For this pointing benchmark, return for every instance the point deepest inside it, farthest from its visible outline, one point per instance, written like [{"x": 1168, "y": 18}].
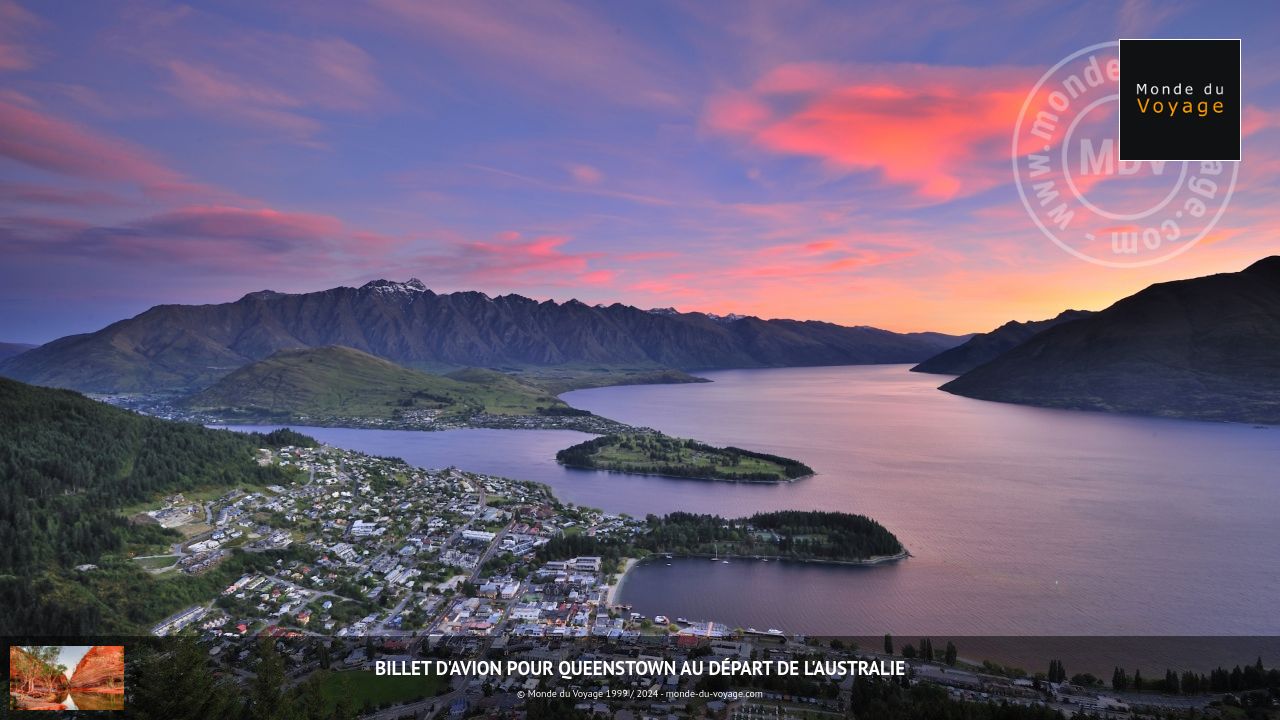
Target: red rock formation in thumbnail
[{"x": 100, "y": 670}]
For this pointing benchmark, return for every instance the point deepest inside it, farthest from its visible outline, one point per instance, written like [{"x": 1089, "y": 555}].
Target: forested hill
[
  {"x": 796, "y": 534},
  {"x": 808, "y": 535},
  {"x": 68, "y": 464}
]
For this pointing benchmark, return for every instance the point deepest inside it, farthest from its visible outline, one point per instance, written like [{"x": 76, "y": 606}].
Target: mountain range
[
  {"x": 985, "y": 347},
  {"x": 1206, "y": 348},
  {"x": 188, "y": 347}
]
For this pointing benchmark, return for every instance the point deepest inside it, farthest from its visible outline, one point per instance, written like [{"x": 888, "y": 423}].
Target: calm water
[{"x": 1022, "y": 521}]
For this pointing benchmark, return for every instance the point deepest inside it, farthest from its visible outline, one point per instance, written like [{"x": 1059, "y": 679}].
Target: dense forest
[
  {"x": 657, "y": 454},
  {"x": 802, "y": 535},
  {"x": 793, "y": 534},
  {"x": 68, "y": 465}
]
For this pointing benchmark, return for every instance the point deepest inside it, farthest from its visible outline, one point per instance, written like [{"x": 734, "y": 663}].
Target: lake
[{"x": 1021, "y": 521}]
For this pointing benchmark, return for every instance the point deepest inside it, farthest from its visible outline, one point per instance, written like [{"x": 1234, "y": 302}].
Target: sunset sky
[{"x": 784, "y": 159}]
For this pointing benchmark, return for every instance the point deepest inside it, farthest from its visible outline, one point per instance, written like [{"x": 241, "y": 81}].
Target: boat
[
  {"x": 774, "y": 631},
  {"x": 726, "y": 562}
]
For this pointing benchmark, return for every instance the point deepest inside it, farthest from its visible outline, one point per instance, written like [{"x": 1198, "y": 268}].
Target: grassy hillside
[
  {"x": 68, "y": 464},
  {"x": 562, "y": 379},
  {"x": 655, "y": 454},
  {"x": 338, "y": 382}
]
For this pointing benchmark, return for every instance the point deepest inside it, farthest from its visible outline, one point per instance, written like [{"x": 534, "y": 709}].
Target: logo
[
  {"x": 1089, "y": 202},
  {"x": 1180, "y": 100}
]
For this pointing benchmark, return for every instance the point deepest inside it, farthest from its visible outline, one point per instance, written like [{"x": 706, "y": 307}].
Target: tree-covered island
[{"x": 657, "y": 454}]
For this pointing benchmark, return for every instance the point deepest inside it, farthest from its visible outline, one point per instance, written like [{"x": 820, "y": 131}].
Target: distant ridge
[
  {"x": 185, "y": 347},
  {"x": 986, "y": 347},
  {"x": 1206, "y": 348},
  {"x": 8, "y": 350}
]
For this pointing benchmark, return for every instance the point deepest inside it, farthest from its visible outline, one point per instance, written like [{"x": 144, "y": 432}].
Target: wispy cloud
[
  {"x": 44, "y": 142},
  {"x": 16, "y": 26}
]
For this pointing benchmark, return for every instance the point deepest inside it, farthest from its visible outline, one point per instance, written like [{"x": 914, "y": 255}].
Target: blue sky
[{"x": 837, "y": 161}]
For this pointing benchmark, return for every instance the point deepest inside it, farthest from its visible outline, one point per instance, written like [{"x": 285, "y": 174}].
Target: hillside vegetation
[
  {"x": 68, "y": 464},
  {"x": 337, "y": 382},
  {"x": 809, "y": 535}
]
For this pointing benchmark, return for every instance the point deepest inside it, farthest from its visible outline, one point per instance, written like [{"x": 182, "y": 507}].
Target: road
[{"x": 488, "y": 552}]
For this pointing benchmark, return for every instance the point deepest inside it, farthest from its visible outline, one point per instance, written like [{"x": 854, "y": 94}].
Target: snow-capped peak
[{"x": 391, "y": 286}]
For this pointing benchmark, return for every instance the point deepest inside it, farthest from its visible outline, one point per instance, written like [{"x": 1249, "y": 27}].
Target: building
[
  {"x": 478, "y": 536},
  {"x": 361, "y": 528},
  {"x": 175, "y": 623}
]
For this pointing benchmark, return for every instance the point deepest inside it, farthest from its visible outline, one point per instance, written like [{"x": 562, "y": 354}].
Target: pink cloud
[
  {"x": 512, "y": 261},
  {"x": 233, "y": 222},
  {"x": 1256, "y": 119},
  {"x": 33, "y": 194},
  {"x": 44, "y": 142},
  {"x": 16, "y": 24},
  {"x": 941, "y": 131},
  {"x": 817, "y": 258},
  {"x": 598, "y": 277},
  {"x": 585, "y": 174},
  {"x": 735, "y": 112},
  {"x": 230, "y": 239}
]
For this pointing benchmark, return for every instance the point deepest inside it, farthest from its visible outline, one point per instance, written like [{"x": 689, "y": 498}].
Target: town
[
  {"x": 370, "y": 563},
  {"x": 373, "y": 546}
]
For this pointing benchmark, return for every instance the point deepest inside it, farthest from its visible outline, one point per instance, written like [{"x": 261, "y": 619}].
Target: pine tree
[
  {"x": 926, "y": 649},
  {"x": 951, "y": 653},
  {"x": 171, "y": 680},
  {"x": 265, "y": 692},
  {"x": 1119, "y": 679},
  {"x": 888, "y": 644}
]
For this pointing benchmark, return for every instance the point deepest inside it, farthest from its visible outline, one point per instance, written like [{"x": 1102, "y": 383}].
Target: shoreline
[
  {"x": 780, "y": 481},
  {"x": 611, "y": 594},
  {"x": 862, "y": 562},
  {"x": 612, "y": 591},
  {"x": 582, "y": 424}
]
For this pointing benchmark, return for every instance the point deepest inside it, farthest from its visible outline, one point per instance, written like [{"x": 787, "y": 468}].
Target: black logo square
[{"x": 1180, "y": 100}]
